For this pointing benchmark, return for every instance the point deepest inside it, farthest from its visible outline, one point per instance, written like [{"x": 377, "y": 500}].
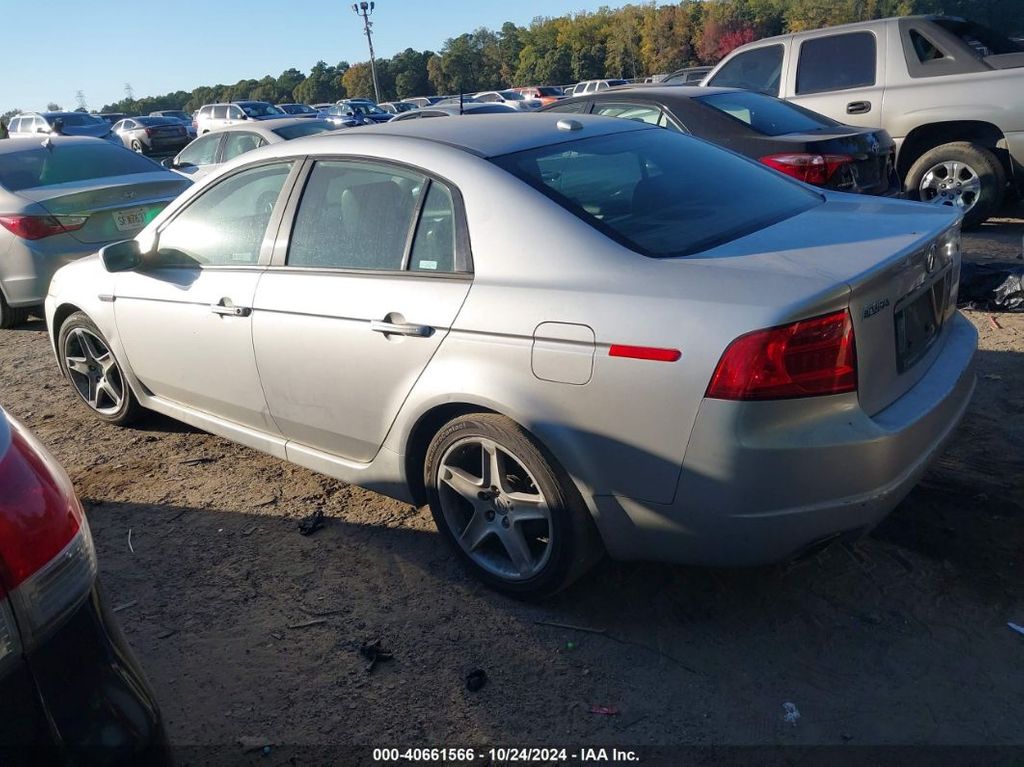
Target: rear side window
[
  {"x": 757, "y": 70},
  {"x": 766, "y": 115},
  {"x": 645, "y": 113},
  {"x": 570, "y": 106},
  {"x": 36, "y": 166},
  {"x": 660, "y": 193},
  {"x": 433, "y": 249},
  {"x": 219, "y": 113},
  {"x": 836, "y": 63}
]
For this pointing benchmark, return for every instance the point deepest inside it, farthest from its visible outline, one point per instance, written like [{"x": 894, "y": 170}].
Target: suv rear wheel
[{"x": 961, "y": 175}]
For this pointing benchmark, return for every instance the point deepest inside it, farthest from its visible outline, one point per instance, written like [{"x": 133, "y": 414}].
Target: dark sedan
[
  {"x": 152, "y": 135},
  {"x": 70, "y": 690},
  {"x": 796, "y": 141}
]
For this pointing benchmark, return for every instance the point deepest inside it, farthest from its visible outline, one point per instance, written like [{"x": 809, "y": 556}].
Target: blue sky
[{"x": 98, "y": 46}]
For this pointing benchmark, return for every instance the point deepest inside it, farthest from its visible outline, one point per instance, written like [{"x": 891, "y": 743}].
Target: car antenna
[{"x": 460, "y": 102}]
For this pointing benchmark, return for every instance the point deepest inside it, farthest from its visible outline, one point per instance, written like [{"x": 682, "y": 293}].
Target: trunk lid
[
  {"x": 117, "y": 207},
  {"x": 902, "y": 291}
]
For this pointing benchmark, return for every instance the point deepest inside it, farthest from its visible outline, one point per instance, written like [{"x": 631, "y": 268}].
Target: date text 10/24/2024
[{"x": 504, "y": 755}]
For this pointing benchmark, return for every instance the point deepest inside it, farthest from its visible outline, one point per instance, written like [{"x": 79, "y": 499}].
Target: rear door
[
  {"x": 365, "y": 283},
  {"x": 840, "y": 75}
]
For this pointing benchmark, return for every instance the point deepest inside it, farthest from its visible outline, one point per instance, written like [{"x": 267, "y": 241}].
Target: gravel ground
[{"x": 248, "y": 630}]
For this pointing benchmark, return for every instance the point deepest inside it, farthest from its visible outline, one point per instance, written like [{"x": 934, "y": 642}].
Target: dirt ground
[{"x": 899, "y": 639}]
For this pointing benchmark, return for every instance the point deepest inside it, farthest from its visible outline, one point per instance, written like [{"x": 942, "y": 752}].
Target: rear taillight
[
  {"x": 38, "y": 227},
  {"x": 149, "y": 132},
  {"x": 816, "y": 169},
  {"x": 47, "y": 561},
  {"x": 808, "y": 358}
]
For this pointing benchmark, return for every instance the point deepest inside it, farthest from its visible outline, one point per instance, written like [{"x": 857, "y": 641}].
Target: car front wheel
[
  {"x": 94, "y": 372},
  {"x": 512, "y": 515}
]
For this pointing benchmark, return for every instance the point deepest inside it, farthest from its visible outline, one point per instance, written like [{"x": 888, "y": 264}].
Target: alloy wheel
[
  {"x": 495, "y": 508},
  {"x": 951, "y": 183},
  {"x": 94, "y": 371}
]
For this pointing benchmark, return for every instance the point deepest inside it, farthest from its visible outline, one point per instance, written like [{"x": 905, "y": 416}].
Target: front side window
[
  {"x": 660, "y": 193},
  {"x": 226, "y": 225},
  {"x": 836, "y": 63},
  {"x": 759, "y": 69},
  {"x": 202, "y": 151}
]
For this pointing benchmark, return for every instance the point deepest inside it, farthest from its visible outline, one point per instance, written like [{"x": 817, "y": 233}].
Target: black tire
[
  {"x": 137, "y": 147},
  {"x": 129, "y": 409},
  {"x": 10, "y": 317},
  {"x": 984, "y": 163},
  {"x": 575, "y": 545}
]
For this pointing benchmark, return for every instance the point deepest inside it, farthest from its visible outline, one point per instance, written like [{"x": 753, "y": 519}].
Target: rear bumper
[
  {"x": 29, "y": 265},
  {"x": 81, "y": 699},
  {"x": 763, "y": 481}
]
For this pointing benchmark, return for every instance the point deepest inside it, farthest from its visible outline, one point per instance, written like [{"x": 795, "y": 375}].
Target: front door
[
  {"x": 374, "y": 275},
  {"x": 185, "y": 320}
]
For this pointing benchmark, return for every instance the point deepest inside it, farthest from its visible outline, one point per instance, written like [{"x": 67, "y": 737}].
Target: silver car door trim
[{"x": 401, "y": 329}]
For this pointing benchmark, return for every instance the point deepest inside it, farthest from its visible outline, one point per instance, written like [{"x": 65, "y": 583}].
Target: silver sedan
[{"x": 697, "y": 359}]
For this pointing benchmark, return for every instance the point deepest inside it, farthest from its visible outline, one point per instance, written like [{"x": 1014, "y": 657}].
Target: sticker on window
[{"x": 428, "y": 265}]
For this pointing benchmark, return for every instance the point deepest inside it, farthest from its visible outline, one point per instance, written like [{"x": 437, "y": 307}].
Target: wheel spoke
[
  {"x": 77, "y": 365},
  {"x": 462, "y": 483},
  {"x": 89, "y": 349},
  {"x": 104, "y": 387},
  {"x": 518, "y": 550},
  {"x": 475, "y": 532},
  {"x": 527, "y": 507},
  {"x": 492, "y": 466}
]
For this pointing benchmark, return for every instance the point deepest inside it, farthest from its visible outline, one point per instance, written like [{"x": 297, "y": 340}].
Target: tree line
[{"x": 628, "y": 42}]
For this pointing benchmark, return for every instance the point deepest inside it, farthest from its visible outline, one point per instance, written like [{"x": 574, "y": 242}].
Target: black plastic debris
[
  {"x": 476, "y": 679},
  {"x": 312, "y": 523},
  {"x": 375, "y": 653},
  {"x": 996, "y": 286}
]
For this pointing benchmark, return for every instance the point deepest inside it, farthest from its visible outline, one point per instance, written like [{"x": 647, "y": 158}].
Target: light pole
[{"x": 364, "y": 9}]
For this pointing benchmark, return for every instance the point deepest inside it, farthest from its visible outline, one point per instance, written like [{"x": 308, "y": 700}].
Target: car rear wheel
[
  {"x": 9, "y": 317},
  {"x": 964, "y": 176},
  {"x": 95, "y": 374},
  {"x": 512, "y": 515},
  {"x": 137, "y": 146}
]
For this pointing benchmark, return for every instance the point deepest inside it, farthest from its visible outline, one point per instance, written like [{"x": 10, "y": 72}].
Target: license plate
[
  {"x": 919, "y": 322},
  {"x": 126, "y": 220}
]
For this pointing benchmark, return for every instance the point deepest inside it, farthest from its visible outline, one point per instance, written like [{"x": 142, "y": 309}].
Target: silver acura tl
[{"x": 693, "y": 358}]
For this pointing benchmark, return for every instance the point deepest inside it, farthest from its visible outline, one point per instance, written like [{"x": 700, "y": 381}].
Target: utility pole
[{"x": 365, "y": 9}]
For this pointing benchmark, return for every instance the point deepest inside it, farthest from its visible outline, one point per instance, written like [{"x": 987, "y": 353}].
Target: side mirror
[
  {"x": 168, "y": 162},
  {"x": 121, "y": 256},
  {"x": 244, "y": 116}
]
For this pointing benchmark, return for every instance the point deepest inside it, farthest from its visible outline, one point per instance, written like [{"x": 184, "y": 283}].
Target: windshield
[
  {"x": 178, "y": 116},
  {"x": 511, "y": 96},
  {"x": 63, "y": 163},
  {"x": 307, "y": 128},
  {"x": 259, "y": 109},
  {"x": 767, "y": 115},
  {"x": 982, "y": 40},
  {"x": 660, "y": 193},
  {"x": 75, "y": 119},
  {"x": 549, "y": 90}
]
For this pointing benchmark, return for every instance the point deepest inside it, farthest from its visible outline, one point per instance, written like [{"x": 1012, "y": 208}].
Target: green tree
[{"x": 358, "y": 81}]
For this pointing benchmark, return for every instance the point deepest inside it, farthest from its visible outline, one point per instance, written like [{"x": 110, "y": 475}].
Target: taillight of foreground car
[
  {"x": 808, "y": 358},
  {"x": 38, "y": 227},
  {"x": 47, "y": 560},
  {"x": 817, "y": 169}
]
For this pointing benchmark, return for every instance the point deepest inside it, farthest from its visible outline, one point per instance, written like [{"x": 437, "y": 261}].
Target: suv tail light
[
  {"x": 38, "y": 227},
  {"x": 808, "y": 358},
  {"x": 816, "y": 169},
  {"x": 47, "y": 560}
]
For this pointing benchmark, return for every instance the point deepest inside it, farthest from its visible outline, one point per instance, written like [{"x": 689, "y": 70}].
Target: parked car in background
[
  {"x": 64, "y": 201},
  {"x": 298, "y": 110},
  {"x": 71, "y": 691},
  {"x": 545, "y": 94},
  {"x": 800, "y": 143},
  {"x": 798, "y": 351},
  {"x": 509, "y": 98},
  {"x": 212, "y": 149},
  {"x": 213, "y": 116},
  {"x": 591, "y": 86},
  {"x": 450, "y": 101},
  {"x": 342, "y": 117},
  {"x": 363, "y": 110},
  {"x": 946, "y": 89},
  {"x": 32, "y": 124},
  {"x": 152, "y": 135},
  {"x": 687, "y": 76},
  {"x": 178, "y": 114},
  {"x": 322, "y": 108},
  {"x": 397, "y": 107},
  {"x": 423, "y": 101},
  {"x": 111, "y": 117},
  {"x": 454, "y": 111}
]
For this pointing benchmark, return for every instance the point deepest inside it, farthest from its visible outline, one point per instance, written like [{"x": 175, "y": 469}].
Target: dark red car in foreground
[{"x": 70, "y": 690}]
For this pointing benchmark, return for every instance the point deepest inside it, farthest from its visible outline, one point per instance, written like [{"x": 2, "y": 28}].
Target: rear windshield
[
  {"x": 308, "y": 128},
  {"x": 259, "y": 109},
  {"x": 982, "y": 40},
  {"x": 63, "y": 163},
  {"x": 157, "y": 121},
  {"x": 660, "y": 193},
  {"x": 549, "y": 90},
  {"x": 768, "y": 116}
]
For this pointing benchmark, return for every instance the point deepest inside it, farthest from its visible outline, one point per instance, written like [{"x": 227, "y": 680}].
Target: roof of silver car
[
  {"x": 20, "y": 144},
  {"x": 496, "y": 134}
]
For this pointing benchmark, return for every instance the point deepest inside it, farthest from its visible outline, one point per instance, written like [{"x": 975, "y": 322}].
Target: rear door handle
[
  {"x": 858, "y": 107},
  {"x": 401, "y": 329},
  {"x": 227, "y": 308}
]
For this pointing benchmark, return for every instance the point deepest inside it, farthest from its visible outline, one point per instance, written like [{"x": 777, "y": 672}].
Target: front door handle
[
  {"x": 227, "y": 308},
  {"x": 858, "y": 107},
  {"x": 401, "y": 329}
]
